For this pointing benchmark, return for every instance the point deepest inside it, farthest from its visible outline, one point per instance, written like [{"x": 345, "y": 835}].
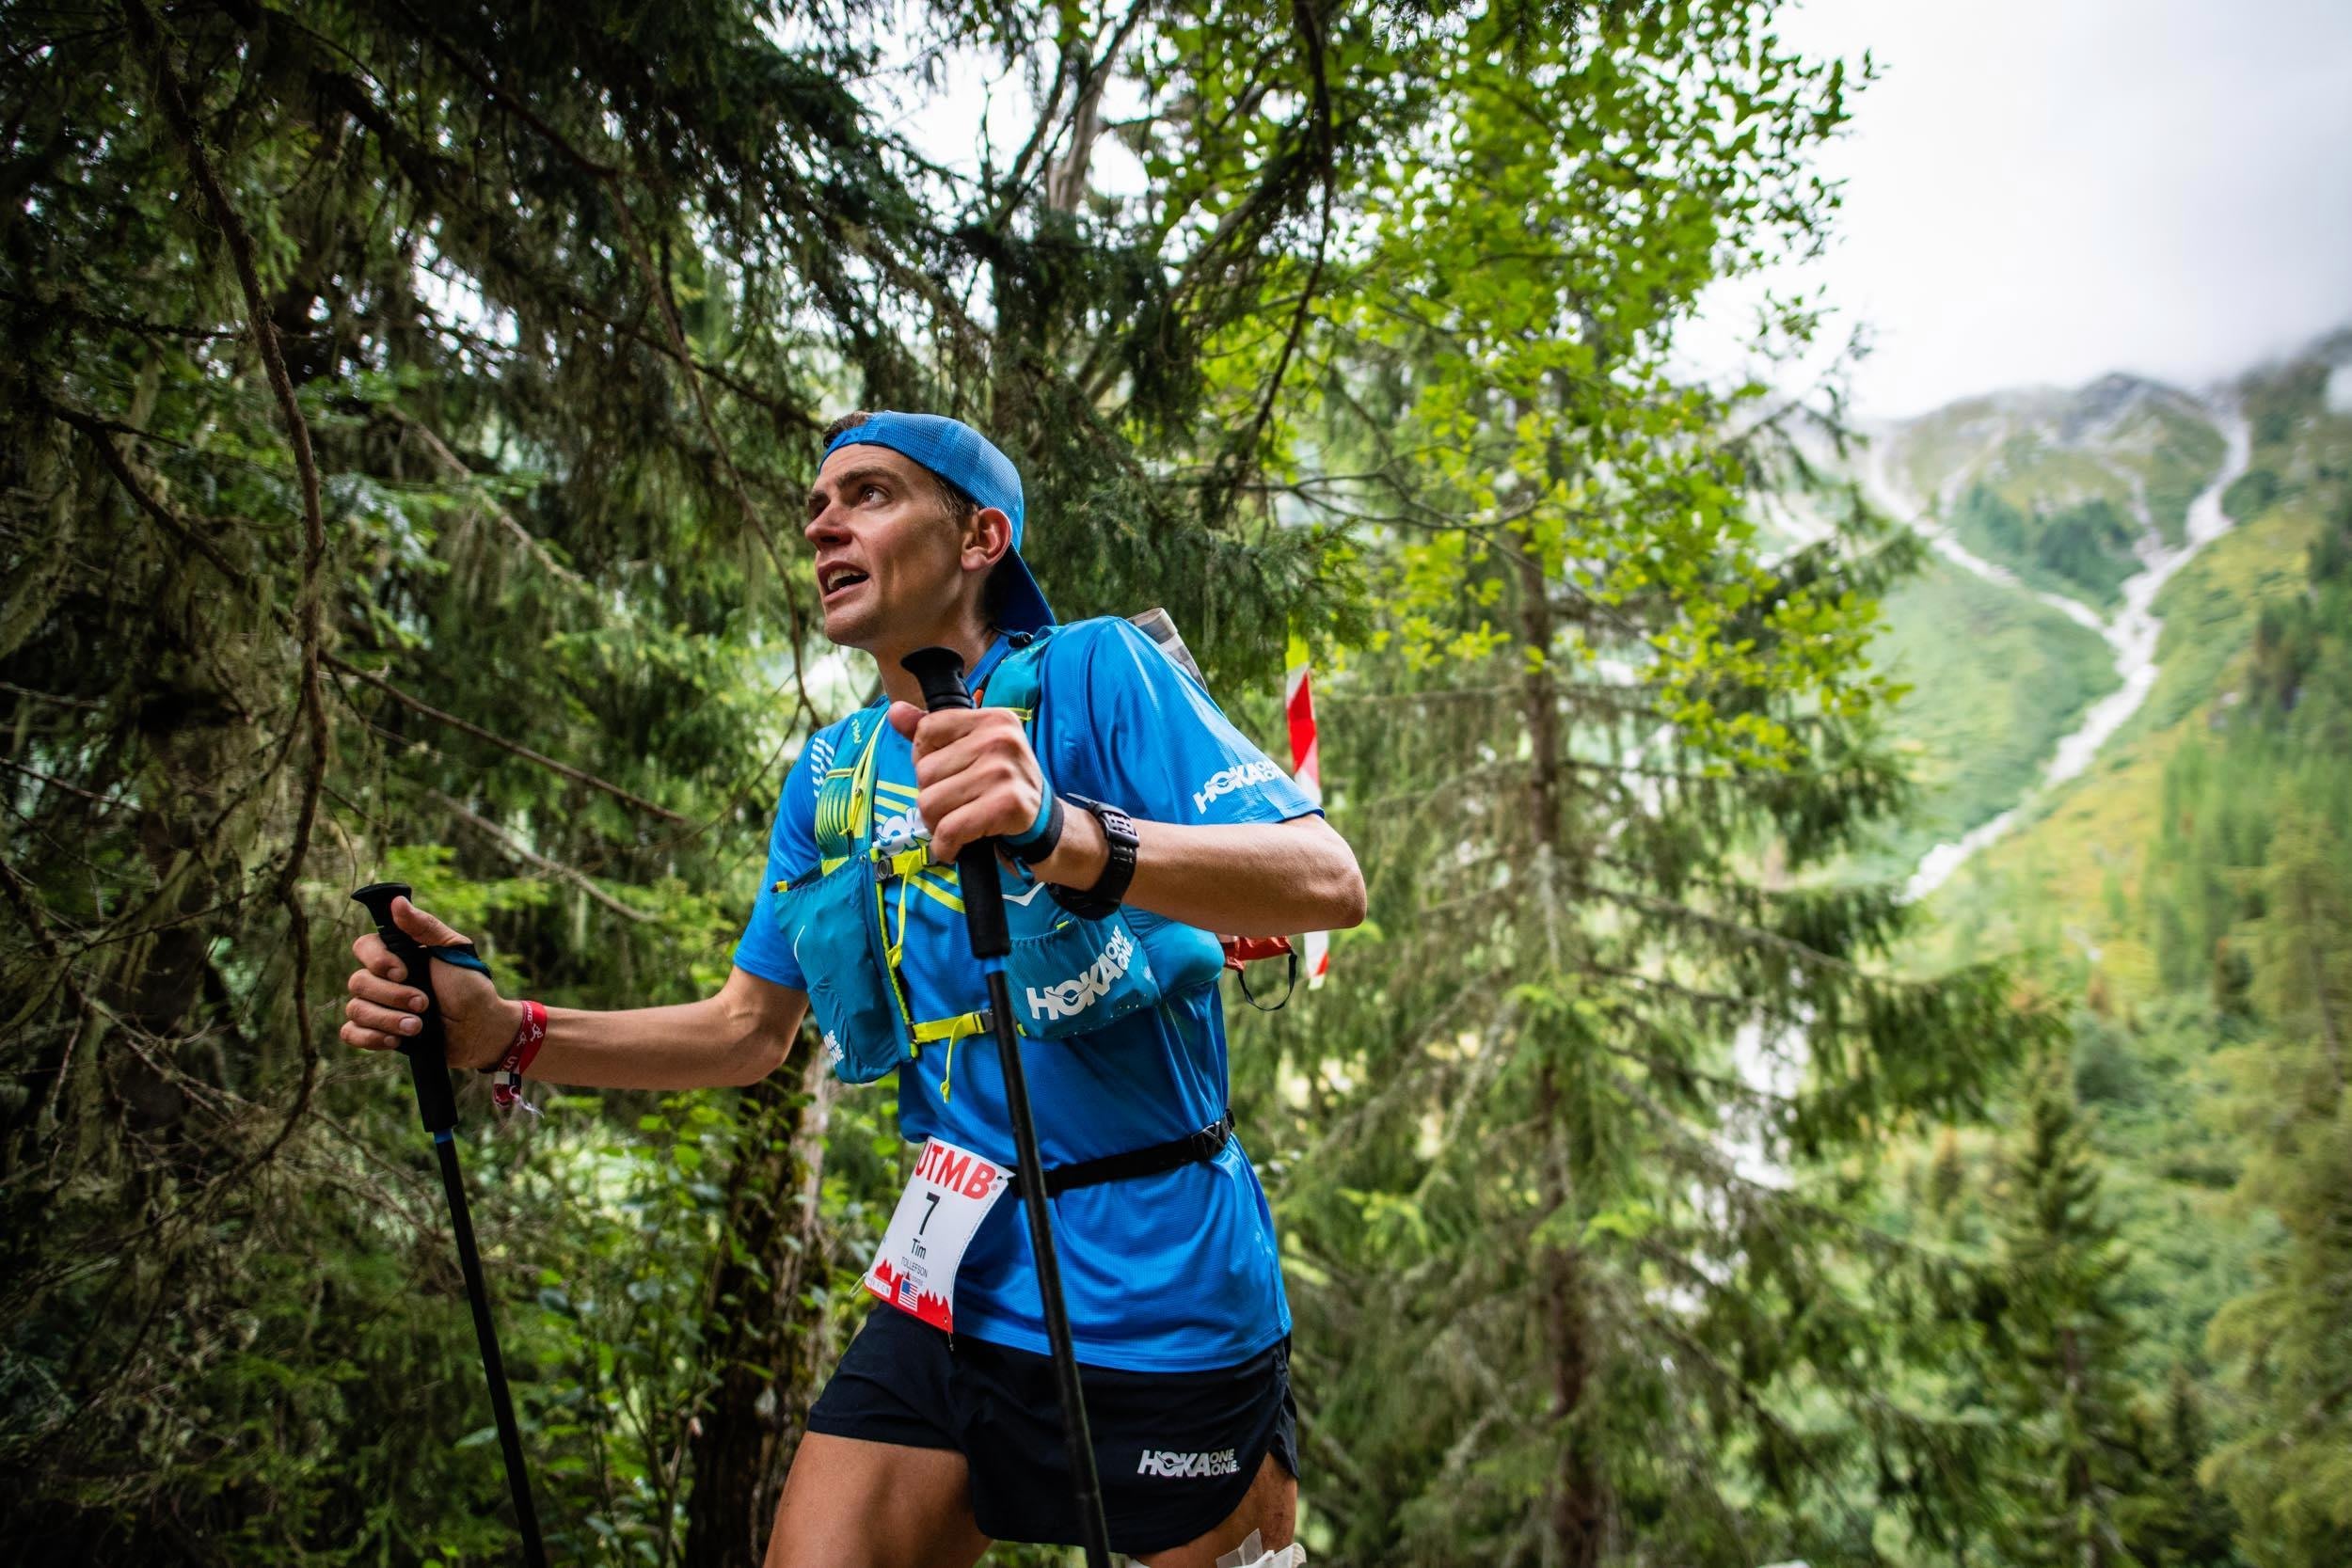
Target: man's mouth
[{"x": 838, "y": 579}]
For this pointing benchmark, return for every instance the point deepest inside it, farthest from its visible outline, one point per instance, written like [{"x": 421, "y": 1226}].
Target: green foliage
[
  {"x": 1577, "y": 1167},
  {"x": 2063, "y": 1390},
  {"x": 1571, "y": 1170},
  {"x": 2289, "y": 1340},
  {"x": 559, "y": 310},
  {"x": 2084, "y": 550},
  {"x": 2251, "y": 494},
  {"x": 2150, "y": 889},
  {"x": 1975, "y": 734}
]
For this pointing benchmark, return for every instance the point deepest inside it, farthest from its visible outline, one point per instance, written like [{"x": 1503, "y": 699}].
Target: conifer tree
[
  {"x": 2184, "y": 1523},
  {"x": 1574, "y": 1160},
  {"x": 2288, "y": 1342},
  {"x": 410, "y": 405},
  {"x": 2076, "y": 1495}
]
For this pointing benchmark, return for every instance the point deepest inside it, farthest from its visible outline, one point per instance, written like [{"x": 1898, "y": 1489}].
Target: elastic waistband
[{"x": 1192, "y": 1148}]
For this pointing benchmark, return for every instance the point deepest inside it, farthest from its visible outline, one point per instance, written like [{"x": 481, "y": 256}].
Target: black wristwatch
[{"x": 1110, "y": 890}]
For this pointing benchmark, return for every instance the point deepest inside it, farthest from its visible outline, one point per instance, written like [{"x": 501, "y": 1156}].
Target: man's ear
[{"x": 988, "y": 532}]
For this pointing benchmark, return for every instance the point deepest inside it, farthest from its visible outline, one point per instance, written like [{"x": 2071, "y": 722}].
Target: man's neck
[{"x": 969, "y": 636}]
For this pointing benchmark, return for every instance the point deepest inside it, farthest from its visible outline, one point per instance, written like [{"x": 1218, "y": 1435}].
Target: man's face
[{"x": 891, "y": 566}]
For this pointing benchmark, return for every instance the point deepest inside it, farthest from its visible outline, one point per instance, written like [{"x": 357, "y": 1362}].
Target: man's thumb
[
  {"x": 904, "y": 717},
  {"x": 422, "y": 927}
]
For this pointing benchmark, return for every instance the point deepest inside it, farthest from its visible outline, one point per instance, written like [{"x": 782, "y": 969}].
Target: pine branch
[
  {"x": 180, "y": 529},
  {"x": 101, "y": 436},
  {"x": 514, "y": 746},
  {"x": 454, "y": 467},
  {"x": 181, "y": 119},
  {"x": 505, "y": 841},
  {"x": 659, "y": 284},
  {"x": 94, "y": 799},
  {"x": 1311, "y": 32}
]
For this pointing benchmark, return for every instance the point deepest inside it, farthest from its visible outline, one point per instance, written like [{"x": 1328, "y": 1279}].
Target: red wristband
[{"x": 507, "y": 1084}]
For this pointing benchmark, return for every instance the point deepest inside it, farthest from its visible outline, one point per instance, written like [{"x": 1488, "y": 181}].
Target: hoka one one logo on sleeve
[
  {"x": 1075, "y": 996},
  {"x": 1227, "y": 779},
  {"x": 1171, "y": 1465}
]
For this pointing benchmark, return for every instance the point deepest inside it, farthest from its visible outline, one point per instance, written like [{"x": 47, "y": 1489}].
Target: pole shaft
[
  {"x": 501, "y": 1406},
  {"x": 941, "y": 672},
  {"x": 1088, "y": 1483}
]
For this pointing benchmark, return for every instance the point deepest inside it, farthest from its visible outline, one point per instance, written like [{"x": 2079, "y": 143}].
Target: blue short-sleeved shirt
[{"x": 1168, "y": 1273}]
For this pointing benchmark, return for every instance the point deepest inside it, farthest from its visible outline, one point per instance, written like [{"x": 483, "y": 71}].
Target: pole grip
[
  {"x": 940, "y": 671},
  {"x": 427, "y": 1050}
]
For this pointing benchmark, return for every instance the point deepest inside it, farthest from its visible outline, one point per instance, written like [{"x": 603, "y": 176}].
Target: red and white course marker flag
[{"x": 1298, "y": 704}]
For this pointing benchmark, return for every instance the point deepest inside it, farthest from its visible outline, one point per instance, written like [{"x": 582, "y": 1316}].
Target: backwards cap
[{"x": 970, "y": 462}]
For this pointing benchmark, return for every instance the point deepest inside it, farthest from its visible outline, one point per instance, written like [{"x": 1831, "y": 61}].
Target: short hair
[{"x": 954, "y": 504}]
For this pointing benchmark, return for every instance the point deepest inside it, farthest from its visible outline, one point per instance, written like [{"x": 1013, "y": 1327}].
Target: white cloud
[{"x": 2043, "y": 192}]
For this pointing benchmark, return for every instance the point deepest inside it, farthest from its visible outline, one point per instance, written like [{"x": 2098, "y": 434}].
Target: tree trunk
[
  {"x": 768, "y": 1344},
  {"x": 1578, "y": 1504}
]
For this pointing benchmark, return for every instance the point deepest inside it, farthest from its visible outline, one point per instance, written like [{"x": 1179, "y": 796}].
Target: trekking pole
[
  {"x": 941, "y": 672},
  {"x": 437, "y": 1103}
]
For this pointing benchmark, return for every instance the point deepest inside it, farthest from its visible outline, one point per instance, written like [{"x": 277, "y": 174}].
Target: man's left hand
[{"x": 974, "y": 775}]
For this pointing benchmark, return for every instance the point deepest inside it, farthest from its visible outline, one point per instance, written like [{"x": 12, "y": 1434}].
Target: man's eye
[{"x": 869, "y": 490}]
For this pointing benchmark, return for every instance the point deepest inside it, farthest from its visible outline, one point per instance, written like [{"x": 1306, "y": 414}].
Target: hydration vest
[{"x": 847, "y": 920}]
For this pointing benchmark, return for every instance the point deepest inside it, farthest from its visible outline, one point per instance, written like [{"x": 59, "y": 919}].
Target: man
[{"x": 926, "y": 1445}]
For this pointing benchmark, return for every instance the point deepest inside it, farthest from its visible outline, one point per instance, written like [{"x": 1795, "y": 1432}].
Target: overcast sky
[
  {"x": 2037, "y": 190},
  {"x": 2044, "y": 190}
]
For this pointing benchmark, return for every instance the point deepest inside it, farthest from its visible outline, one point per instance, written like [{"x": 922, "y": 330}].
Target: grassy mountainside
[
  {"x": 2056, "y": 498},
  {"x": 2061, "y": 486},
  {"x": 2072, "y": 874},
  {"x": 2187, "y": 896},
  {"x": 2082, "y": 855},
  {"x": 1997, "y": 676},
  {"x": 2144, "y": 446}
]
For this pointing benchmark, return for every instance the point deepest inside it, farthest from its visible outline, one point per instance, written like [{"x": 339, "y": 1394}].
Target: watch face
[{"x": 1116, "y": 825}]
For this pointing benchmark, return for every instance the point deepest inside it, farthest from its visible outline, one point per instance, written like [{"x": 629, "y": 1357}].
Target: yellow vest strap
[{"x": 953, "y": 1028}]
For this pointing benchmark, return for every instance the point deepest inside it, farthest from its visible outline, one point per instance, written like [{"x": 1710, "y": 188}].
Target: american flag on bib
[{"x": 1299, "y": 704}]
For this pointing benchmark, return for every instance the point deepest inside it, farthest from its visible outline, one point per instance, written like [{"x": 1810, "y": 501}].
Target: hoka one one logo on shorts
[
  {"x": 1227, "y": 779},
  {"x": 1075, "y": 996},
  {"x": 1169, "y": 1465}
]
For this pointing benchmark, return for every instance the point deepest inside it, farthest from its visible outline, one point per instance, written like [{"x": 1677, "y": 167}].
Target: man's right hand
[{"x": 383, "y": 1012}]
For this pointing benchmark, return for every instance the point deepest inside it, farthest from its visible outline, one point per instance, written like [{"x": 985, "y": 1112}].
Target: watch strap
[{"x": 1110, "y": 890}]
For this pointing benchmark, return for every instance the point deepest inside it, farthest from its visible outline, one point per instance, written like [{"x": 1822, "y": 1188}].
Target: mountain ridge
[{"x": 2072, "y": 510}]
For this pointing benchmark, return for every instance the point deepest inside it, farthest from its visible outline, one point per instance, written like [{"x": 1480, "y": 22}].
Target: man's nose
[{"x": 826, "y": 526}]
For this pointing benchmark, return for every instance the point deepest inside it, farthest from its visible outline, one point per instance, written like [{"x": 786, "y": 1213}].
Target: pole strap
[
  {"x": 1192, "y": 1148},
  {"x": 464, "y": 955}
]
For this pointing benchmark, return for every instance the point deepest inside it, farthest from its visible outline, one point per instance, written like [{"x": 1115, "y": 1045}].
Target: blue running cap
[{"x": 970, "y": 462}]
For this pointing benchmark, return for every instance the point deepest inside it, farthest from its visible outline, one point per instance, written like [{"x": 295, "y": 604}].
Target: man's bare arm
[
  {"x": 1249, "y": 879},
  {"x": 737, "y": 1037}
]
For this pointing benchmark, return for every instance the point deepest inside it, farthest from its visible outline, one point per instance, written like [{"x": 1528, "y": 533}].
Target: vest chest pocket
[
  {"x": 827, "y": 918},
  {"x": 1069, "y": 976}
]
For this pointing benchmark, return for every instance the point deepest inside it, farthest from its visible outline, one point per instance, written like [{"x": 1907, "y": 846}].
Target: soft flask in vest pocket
[
  {"x": 827, "y": 919},
  {"x": 1069, "y": 976}
]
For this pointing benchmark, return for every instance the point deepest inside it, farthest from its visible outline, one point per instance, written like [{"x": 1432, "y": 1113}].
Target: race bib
[{"x": 951, "y": 1191}]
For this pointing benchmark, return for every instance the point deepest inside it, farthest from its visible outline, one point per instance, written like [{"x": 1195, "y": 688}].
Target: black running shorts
[{"x": 1177, "y": 1451}]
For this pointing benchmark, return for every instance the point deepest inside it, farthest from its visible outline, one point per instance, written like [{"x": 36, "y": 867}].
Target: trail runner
[{"x": 1133, "y": 806}]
